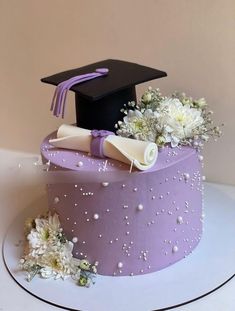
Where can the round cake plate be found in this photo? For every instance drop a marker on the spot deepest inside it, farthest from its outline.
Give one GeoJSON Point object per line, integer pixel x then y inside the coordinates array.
{"type": "Point", "coordinates": [210, 266]}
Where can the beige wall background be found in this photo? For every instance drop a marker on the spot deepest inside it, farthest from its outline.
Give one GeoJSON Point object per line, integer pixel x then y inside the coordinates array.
{"type": "Point", "coordinates": [194, 41]}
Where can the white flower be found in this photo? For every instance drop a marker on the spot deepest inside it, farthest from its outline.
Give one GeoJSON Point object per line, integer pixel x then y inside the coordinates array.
{"type": "Point", "coordinates": [177, 122]}
{"type": "Point", "coordinates": [147, 97]}
{"type": "Point", "coordinates": [47, 273]}
{"type": "Point", "coordinates": [45, 233]}
{"type": "Point", "coordinates": [54, 222]}
{"type": "Point", "coordinates": [49, 254]}
{"type": "Point", "coordinates": [139, 125]}
{"type": "Point", "coordinates": [58, 264]}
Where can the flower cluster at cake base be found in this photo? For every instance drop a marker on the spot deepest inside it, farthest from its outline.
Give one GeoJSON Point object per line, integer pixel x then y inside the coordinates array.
{"type": "Point", "coordinates": [48, 253]}
{"type": "Point", "coordinates": [175, 120]}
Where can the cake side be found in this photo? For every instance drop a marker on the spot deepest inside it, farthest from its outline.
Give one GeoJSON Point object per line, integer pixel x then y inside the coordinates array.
{"type": "Point", "coordinates": [140, 224]}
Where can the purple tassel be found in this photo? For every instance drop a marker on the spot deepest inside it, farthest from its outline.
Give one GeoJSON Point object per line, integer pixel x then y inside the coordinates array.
{"type": "Point", "coordinates": [60, 94]}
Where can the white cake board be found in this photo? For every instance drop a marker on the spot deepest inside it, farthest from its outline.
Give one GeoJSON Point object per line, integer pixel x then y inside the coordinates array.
{"type": "Point", "coordinates": [210, 266]}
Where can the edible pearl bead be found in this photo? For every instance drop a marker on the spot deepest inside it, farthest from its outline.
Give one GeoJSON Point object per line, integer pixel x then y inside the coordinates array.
{"type": "Point", "coordinates": [179, 220]}
{"type": "Point", "coordinates": [105, 184]}
{"type": "Point", "coordinates": [96, 216]}
{"type": "Point", "coordinates": [80, 164]}
{"type": "Point", "coordinates": [56, 200]}
{"type": "Point", "coordinates": [140, 207]}
{"type": "Point", "coordinates": [175, 249]}
{"type": "Point", "coordinates": [120, 265]}
{"type": "Point", "coordinates": [75, 239]}
{"type": "Point", "coordinates": [200, 158]}
{"type": "Point", "coordinates": [186, 176]}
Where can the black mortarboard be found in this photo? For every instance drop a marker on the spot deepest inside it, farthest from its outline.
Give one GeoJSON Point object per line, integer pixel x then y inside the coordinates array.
{"type": "Point", "coordinates": [99, 101]}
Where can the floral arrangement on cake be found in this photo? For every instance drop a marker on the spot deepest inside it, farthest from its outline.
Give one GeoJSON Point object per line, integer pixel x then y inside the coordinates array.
{"type": "Point", "coordinates": [175, 120]}
{"type": "Point", "coordinates": [48, 253]}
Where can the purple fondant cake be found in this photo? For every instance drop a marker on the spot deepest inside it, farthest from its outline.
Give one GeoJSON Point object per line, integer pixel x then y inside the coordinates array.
{"type": "Point", "coordinates": [124, 184]}
{"type": "Point", "coordinates": [141, 223]}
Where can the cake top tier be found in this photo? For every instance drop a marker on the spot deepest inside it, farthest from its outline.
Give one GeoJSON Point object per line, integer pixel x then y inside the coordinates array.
{"type": "Point", "coordinates": [101, 90]}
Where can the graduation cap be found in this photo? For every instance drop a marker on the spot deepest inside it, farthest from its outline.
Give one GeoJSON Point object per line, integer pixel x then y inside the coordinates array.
{"type": "Point", "coordinates": [101, 90]}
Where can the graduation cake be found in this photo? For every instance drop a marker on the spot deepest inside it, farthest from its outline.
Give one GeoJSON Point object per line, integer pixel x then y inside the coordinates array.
{"type": "Point", "coordinates": [130, 195]}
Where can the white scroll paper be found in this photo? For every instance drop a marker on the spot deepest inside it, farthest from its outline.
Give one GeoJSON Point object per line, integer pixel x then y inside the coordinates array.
{"type": "Point", "coordinates": [141, 154]}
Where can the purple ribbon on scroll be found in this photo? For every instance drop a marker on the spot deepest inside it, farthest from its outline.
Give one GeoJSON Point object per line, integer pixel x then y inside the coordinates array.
{"type": "Point", "coordinates": [59, 98]}
{"type": "Point", "coordinates": [97, 141]}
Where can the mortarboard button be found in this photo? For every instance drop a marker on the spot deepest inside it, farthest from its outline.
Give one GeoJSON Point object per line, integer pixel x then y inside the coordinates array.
{"type": "Point", "coordinates": [100, 98]}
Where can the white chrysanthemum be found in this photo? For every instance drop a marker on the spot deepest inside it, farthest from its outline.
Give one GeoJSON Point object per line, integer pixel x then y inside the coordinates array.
{"type": "Point", "coordinates": [139, 125]}
{"type": "Point", "coordinates": [57, 263]}
{"type": "Point", "coordinates": [44, 233]}
{"type": "Point", "coordinates": [177, 122]}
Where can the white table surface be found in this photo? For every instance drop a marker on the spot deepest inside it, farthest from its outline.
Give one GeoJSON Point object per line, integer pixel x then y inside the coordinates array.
{"type": "Point", "coordinates": [14, 199]}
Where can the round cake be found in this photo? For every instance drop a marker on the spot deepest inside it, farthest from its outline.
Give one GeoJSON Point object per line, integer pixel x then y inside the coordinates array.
{"type": "Point", "coordinates": [132, 222]}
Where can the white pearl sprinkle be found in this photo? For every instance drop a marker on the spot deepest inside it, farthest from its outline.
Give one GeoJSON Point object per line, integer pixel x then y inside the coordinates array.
{"type": "Point", "coordinates": [180, 220]}
{"type": "Point", "coordinates": [56, 200]}
{"type": "Point", "coordinates": [140, 207]}
{"type": "Point", "coordinates": [120, 265]}
{"type": "Point", "coordinates": [200, 158]}
{"type": "Point", "coordinates": [175, 249]}
{"type": "Point", "coordinates": [186, 176]}
{"type": "Point", "coordinates": [74, 239]}
{"type": "Point", "coordinates": [105, 184]}
{"type": "Point", "coordinates": [96, 216]}
{"type": "Point", "coordinates": [80, 164]}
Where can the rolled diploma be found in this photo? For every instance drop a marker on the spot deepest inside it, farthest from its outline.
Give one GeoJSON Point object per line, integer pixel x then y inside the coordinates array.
{"type": "Point", "coordinates": [142, 154]}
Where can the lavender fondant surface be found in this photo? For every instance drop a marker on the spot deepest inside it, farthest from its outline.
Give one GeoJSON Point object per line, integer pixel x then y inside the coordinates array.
{"type": "Point", "coordinates": [139, 223]}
